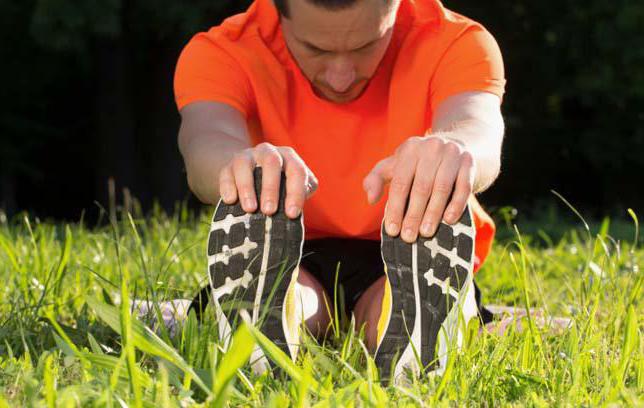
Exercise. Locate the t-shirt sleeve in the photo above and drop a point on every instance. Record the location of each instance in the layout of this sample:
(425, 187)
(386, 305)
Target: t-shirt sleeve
(207, 72)
(473, 62)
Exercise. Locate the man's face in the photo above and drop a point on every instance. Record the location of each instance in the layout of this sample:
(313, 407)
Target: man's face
(339, 50)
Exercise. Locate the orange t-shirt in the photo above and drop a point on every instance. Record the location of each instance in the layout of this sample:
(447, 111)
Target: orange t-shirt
(434, 53)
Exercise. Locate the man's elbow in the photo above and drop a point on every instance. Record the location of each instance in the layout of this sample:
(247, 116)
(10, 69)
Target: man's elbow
(488, 168)
(485, 178)
(492, 163)
(192, 185)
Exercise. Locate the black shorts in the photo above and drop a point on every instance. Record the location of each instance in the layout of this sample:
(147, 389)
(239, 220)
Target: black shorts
(358, 264)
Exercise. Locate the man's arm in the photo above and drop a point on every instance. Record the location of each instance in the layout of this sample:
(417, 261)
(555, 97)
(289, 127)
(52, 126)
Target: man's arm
(474, 119)
(210, 134)
(439, 172)
(220, 160)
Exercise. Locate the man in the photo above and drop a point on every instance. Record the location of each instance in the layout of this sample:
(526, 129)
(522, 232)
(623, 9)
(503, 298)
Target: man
(344, 97)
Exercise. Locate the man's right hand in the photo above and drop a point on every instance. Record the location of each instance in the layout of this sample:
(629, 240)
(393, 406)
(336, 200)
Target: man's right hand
(236, 179)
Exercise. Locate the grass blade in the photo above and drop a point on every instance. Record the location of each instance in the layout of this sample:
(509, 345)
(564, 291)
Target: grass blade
(234, 359)
(283, 361)
(145, 340)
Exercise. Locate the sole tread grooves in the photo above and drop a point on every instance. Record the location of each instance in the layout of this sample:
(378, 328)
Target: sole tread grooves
(439, 276)
(229, 281)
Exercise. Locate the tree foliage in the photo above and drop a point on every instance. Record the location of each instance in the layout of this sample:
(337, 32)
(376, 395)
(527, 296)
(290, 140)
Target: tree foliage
(575, 100)
(88, 94)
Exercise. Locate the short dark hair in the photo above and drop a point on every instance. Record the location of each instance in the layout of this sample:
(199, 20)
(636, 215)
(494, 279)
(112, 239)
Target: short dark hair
(282, 5)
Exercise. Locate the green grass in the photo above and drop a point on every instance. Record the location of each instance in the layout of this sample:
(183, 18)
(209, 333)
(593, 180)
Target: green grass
(65, 341)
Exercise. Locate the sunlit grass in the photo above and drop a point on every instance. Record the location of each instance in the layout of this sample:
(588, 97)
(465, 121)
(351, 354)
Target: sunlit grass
(67, 337)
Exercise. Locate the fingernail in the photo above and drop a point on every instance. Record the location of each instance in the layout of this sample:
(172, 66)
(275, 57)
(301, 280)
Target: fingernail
(450, 216)
(426, 228)
(249, 203)
(293, 211)
(392, 229)
(269, 206)
(430, 229)
(408, 234)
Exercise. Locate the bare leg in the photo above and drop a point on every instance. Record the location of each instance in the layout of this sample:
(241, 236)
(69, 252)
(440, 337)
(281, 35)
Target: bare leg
(367, 311)
(514, 315)
(311, 296)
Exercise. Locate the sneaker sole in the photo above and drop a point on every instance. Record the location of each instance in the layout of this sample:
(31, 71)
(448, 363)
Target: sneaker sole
(251, 259)
(427, 279)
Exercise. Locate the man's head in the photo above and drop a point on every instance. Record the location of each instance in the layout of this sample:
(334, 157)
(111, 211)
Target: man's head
(338, 44)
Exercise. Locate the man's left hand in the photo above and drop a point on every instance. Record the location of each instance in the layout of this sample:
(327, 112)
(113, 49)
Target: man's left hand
(436, 173)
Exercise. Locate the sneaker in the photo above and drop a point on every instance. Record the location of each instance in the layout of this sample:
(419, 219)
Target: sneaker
(429, 286)
(253, 263)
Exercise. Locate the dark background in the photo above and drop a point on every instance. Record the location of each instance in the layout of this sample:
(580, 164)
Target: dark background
(86, 94)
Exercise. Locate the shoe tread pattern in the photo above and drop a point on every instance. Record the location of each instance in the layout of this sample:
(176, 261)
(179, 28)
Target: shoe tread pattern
(397, 257)
(444, 261)
(235, 228)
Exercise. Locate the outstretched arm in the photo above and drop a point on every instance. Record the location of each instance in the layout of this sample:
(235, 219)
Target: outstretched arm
(474, 119)
(210, 134)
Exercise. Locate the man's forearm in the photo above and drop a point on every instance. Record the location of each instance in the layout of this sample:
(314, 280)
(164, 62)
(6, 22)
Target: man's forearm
(204, 157)
(483, 140)
(474, 119)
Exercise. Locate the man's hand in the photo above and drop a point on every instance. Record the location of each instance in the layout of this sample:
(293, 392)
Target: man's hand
(435, 173)
(236, 179)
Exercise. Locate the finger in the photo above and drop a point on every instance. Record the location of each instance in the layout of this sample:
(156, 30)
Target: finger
(418, 198)
(227, 188)
(403, 176)
(270, 161)
(462, 190)
(441, 190)
(374, 183)
(243, 165)
(296, 181)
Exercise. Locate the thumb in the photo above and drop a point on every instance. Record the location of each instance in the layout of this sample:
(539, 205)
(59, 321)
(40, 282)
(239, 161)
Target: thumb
(375, 181)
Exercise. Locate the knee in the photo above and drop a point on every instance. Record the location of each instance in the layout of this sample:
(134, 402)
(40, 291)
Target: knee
(368, 309)
(313, 302)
